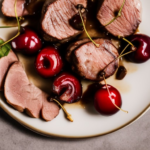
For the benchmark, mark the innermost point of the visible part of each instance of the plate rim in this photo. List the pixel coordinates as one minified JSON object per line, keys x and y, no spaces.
{"x":32,"y":128}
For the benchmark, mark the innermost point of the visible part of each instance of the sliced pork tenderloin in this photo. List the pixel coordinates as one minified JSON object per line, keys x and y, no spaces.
{"x":88,"y":61}
{"x":22,"y":95}
{"x":8,"y":8}
{"x":49,"y":110}
{"x":56,"y":16}
{"x":130,"y":18}
{"x":35,"y":100}
{"x":16,"y":91}
{"x":74,"y":46}
{"x":5,"y":63}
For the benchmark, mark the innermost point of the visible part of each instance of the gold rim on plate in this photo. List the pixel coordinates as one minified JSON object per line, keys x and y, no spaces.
{"x":73,"y":137}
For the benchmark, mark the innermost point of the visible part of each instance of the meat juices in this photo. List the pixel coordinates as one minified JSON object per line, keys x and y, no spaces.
{"x":23,"y":95}
{"x":8,"y":8}
{"x":130,"y":18}
{"x":5,"y":63}
{"x":55,"y":19}
{"x":88,"y":61}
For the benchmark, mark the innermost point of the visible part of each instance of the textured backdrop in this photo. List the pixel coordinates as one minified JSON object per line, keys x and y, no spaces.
{"x":13,"y":136}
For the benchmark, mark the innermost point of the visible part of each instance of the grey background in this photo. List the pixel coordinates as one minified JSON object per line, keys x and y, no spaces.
{"x":13,"y":136}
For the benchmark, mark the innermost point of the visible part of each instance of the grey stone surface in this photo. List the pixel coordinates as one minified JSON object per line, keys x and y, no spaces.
{"x":13,"y":136}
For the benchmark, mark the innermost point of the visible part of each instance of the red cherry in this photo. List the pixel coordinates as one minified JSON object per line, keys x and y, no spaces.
{"x":27,"y":42}
{"x":104,"y":104}
{"x":142,"y":53}
{"x":48,"y":62}
{"x":76,"y":22}
{"x":67,"y":87}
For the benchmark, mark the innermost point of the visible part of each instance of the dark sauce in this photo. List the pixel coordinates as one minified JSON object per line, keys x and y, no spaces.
{"x":88,"y":95}
{"x":34,"y":6}
{"x":93,"y":26}
{"x":121,"y":73}
{"x":92,"y":21}
{"x":8,"y":21}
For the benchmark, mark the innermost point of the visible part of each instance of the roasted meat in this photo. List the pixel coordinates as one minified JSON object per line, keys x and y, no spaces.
{"x":22,"y":95}
{"x":56,"y":16}
{"x":130,"y":18}
{"x":89,"y":61}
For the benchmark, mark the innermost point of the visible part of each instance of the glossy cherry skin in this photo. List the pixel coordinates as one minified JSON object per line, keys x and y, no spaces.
{"x":48,"y":62}
{"x":67,"y":87}
{"x":142,"y":53}
{"x":27,"y":42}
{"x":104,"y":104}
{"x":76,"y":22}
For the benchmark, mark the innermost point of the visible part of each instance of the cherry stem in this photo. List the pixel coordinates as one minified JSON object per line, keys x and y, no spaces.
{"x":124,"y":49}
{"x":128,"y":41}
{"x":7,"y":26}
{"x":69,"y":117}
{"x":118,"y":15}
{"x":19,"y":27}
{"x":97,"y":45}
{"x":121,"y":55}
{"x":106,"y":85}
{"x":111,"y":97}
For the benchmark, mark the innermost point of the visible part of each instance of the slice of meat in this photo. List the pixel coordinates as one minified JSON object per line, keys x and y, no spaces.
{"x":8,"y":8}
{"x":88,"y":60}
{"x":49,"y":108}
{"x":5,"y":63}
{"x":16,"y":87}
{"x":74,"y":46}
{"x":56,"y":15}
{"x":128,"y":22}
{"x":23,"y":95}
{"x":35,"y":100}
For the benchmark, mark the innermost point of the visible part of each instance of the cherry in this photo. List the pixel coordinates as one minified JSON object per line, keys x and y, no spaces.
{"x":105,"y":104}
{"x":48,"y":62}
{"x":67,"y":87}
{"x":76,"y":22}
{"x":27,"y":42}
{"x":142,"y":53}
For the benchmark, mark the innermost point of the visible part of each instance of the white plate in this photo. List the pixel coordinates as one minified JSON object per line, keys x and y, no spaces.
{"x":135,"y":91}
